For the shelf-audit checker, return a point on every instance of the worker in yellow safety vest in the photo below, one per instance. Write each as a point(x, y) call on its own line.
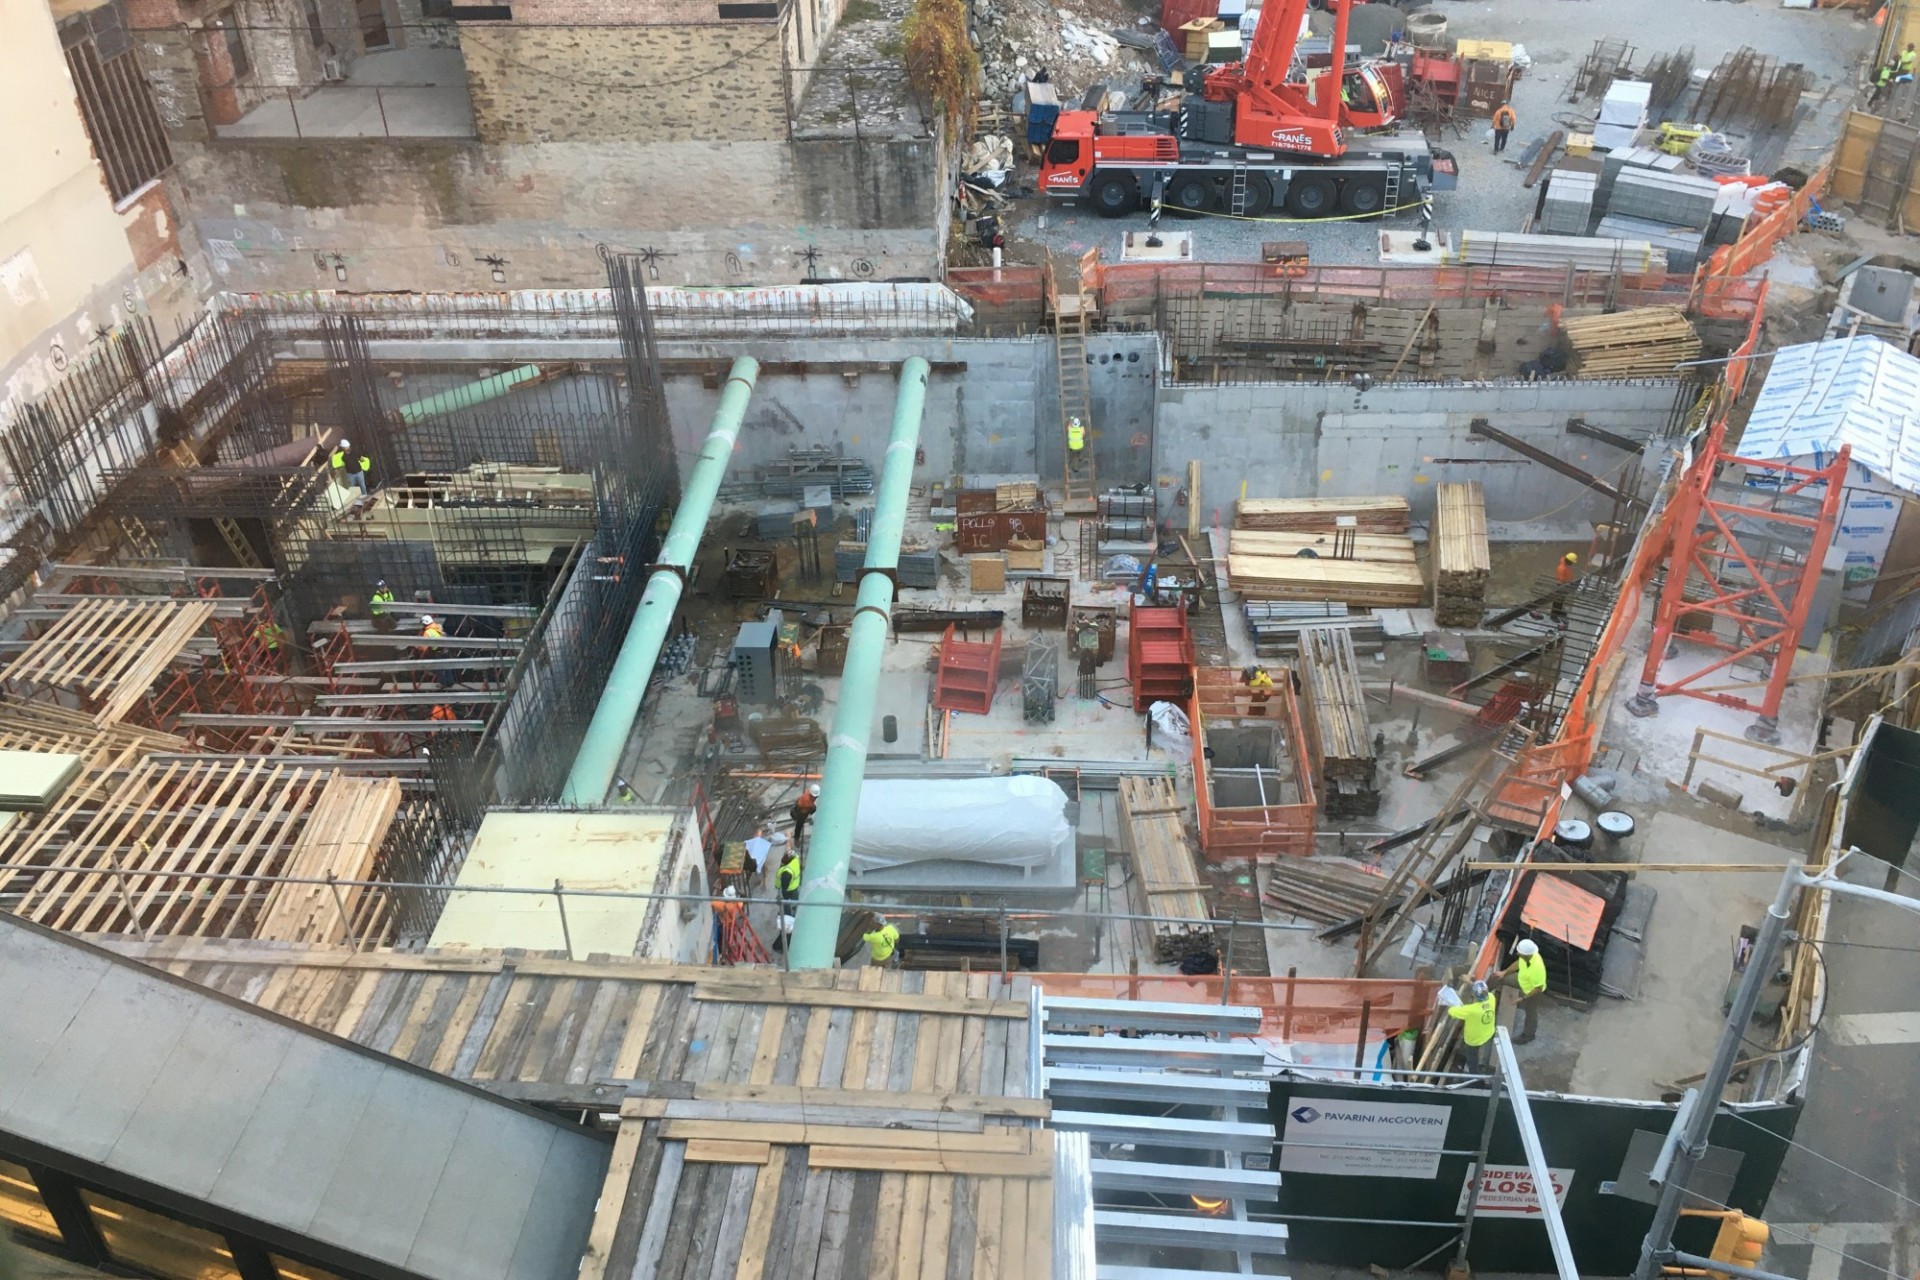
point(1260, 684)
point(1478, 1012)
point(1076, 440)
point(377, 606)
point(352, 466)
point(1908, 57)
point(269, 633)
point(881, 943)
point(1529, 973)
point(787, 879)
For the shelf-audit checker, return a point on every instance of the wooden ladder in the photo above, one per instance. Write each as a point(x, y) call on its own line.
point(1070, 348)
point(181, 455)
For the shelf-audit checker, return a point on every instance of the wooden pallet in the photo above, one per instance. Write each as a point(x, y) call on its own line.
point(1643, 342)
point(1462, 562)
point(1163, 858)
point(1323, 891)
point(1383, 513)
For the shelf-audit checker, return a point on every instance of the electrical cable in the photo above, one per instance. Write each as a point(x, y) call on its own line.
point(1828, 1159)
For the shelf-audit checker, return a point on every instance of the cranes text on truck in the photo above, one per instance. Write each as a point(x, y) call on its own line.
point(1255, 138)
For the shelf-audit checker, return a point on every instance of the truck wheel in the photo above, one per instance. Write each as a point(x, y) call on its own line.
point(1116, 195)
point(1312, 196)
point(1259, 199)
point(1363, 196)
point(1189, 194)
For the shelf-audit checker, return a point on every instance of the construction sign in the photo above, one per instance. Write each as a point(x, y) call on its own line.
point(1506, 1191)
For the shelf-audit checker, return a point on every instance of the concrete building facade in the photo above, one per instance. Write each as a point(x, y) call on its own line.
point(374, 145)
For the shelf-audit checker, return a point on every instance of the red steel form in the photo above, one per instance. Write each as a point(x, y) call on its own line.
point(1719, 553)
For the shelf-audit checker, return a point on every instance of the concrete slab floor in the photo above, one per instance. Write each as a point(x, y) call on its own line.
point(398, 93)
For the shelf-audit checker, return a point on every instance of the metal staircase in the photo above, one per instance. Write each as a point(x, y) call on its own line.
point(1070, 348)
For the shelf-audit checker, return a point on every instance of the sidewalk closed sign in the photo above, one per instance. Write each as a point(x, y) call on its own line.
point(1364, 1139)
point(1506, 1191)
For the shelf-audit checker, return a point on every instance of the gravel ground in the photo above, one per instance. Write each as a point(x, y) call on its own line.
point(1557, 35)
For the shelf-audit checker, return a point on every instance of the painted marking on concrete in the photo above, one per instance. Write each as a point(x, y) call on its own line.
point(1873, 1028)
point(1831, 1236)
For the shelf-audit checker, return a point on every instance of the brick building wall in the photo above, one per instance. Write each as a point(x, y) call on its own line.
point(715, 83)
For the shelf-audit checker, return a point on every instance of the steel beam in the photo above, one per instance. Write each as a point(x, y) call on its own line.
point(1153, 1052)
point(1581, 427)
point(1185, 1179)
point(1149, 1015)
point(1159, 1131)
point(1163, 1088)
point(1481, 427)
point(1189, 1231)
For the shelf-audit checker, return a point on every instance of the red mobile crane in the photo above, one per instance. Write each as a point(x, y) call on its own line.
point(1255, 137)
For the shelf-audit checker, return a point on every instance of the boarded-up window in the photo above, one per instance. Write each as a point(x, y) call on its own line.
point(115, 99)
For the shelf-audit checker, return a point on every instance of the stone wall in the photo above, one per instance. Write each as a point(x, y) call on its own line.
point(718, 83)
point(420, 215)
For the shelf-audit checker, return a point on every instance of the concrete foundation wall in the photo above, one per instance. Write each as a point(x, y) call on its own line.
point(1298, 440)
point(421, 216)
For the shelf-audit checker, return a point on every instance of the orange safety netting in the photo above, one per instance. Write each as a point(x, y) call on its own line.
point(1291, 1009)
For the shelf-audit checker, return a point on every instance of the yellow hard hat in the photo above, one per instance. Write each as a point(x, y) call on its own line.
point(1572, 557)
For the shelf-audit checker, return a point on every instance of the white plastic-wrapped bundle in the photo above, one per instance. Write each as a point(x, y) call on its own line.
point(1007, 822)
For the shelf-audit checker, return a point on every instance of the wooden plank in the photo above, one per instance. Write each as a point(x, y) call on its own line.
point(1007, 1142)
point(863, 1206)
point(727, 1151)
point(759, 1229)
point(917, 1194)
point(613, 1196)
point(933, 1252)
point(729, 1236)
point(901, 1001)
point(473, 991)
point(639, 1024)
point(989, 1258)
point(1013, 1221)
point(932, 1160)
point(879, 1099)
point(786, 1218)
point(1038, 1253)
point(1384, 513)
point(883, 1258)
point(833, 1233)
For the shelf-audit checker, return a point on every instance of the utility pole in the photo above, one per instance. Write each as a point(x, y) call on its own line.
point(1686, 1143)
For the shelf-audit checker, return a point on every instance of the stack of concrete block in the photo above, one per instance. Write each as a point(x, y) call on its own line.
point(1676, 199)
point(1569, 202)
point(1623, 113)
point(1681, 244)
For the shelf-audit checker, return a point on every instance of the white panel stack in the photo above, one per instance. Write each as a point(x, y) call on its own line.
point(1676, 199)
point(1569, 202)
point(1623, 113)
point(1584, 253)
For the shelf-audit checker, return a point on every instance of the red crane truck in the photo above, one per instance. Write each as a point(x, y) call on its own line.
point(1256, 137)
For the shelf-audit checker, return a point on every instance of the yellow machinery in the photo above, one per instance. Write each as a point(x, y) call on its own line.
point(1676, 138)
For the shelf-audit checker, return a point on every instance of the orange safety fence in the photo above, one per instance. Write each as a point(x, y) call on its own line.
point(1325, 1010)
point(1261, 831)
point(1121, 283)
point(1756, 242)
point(999, 286)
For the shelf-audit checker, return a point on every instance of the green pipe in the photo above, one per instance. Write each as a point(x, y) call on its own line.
point(823, 891)
point(613, 719)
point(466, 397)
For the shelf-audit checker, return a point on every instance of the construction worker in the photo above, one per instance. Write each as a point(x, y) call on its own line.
point(787, 880)
point(432, 630)
point(441, 711)
point(1076, 441)
point(802, 813)
point(1478, 1012)
point(1908, 57)
point(881, 944)
point(350, 465)
point(1569, 567)
point(1529, 973)
point(377, 607)
point(1503, 123)
point(269, 633)
point(1260, 685)
point(1882, 81)
point(726, 923)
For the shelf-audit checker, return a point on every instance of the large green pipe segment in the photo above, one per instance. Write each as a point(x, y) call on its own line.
point(468, 396)
point(613, 719)
point(823, 890)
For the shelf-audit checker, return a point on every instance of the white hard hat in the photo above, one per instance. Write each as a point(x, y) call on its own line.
point(1526, 947)
point(346, 444)
point(814, 790)
point(426, 619)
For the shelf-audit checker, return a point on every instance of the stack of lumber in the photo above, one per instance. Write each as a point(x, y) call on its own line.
point(1020, 495)
point(1382, 513)
point(1461, 563)
point(1374, 584)
point(1380, 548)
point(1337, 707)
point(1163, 860)
point(1327, 892)
point(342, 838)
point(1644, 342)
